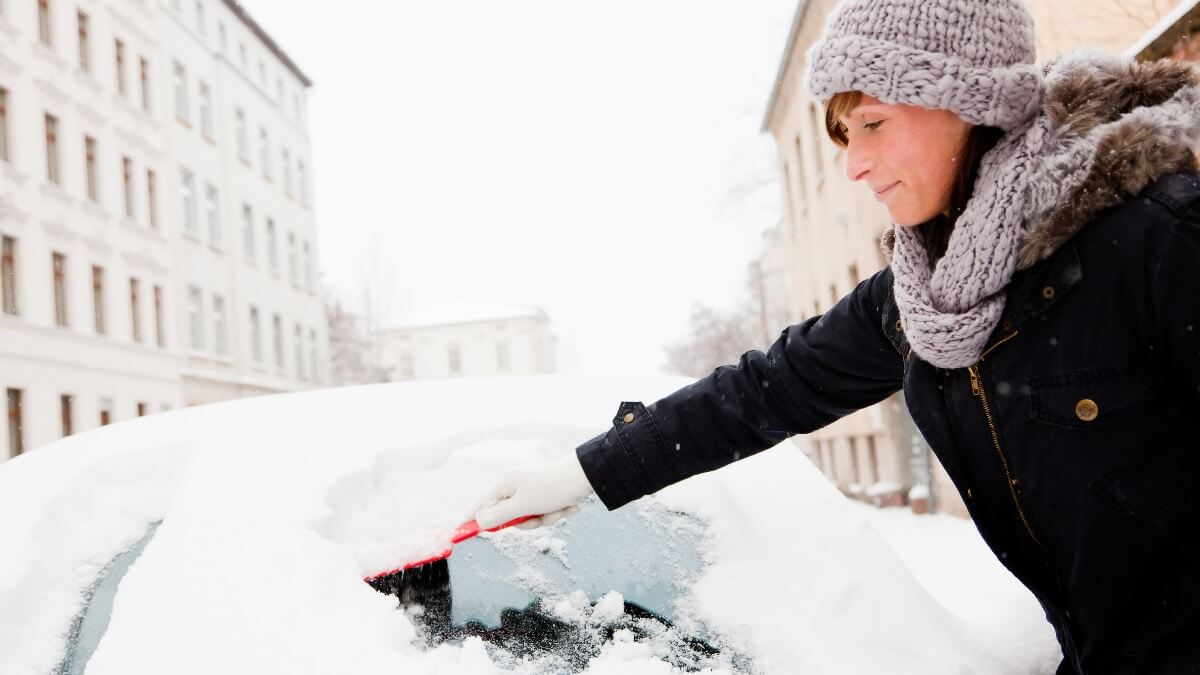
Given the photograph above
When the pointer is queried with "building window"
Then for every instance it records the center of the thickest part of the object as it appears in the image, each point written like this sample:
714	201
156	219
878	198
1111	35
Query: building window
52	149
277	325
243	141
223	37
181	96
44	22
272	246
255	336
3	124
8	273
206	117
85	48
16	430
200	27
248	232
407	369
127	182
196	317
279	91
314	372
287	173
152	197
187	185
220	331
119	50
98	298
503	360
308	268
160	332
262	75
66	403
293	276
242	53
106	406
135	310
144	70
89	163
142	409
302	183
264	144
212	216
298	352
454	353
59	264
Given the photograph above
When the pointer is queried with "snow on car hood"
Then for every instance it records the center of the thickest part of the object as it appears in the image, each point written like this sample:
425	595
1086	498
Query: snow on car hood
267	505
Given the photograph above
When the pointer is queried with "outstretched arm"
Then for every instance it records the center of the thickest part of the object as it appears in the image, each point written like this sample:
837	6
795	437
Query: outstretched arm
816	372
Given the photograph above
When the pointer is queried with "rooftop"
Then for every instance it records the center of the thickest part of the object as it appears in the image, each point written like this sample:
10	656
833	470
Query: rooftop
241	13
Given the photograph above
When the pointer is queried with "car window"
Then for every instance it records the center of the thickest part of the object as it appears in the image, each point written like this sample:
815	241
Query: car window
557	594
92	621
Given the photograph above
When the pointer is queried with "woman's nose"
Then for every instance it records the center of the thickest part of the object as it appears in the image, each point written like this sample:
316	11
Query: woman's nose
858	164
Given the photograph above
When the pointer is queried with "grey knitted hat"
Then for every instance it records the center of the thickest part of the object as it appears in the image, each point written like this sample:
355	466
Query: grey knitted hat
972	57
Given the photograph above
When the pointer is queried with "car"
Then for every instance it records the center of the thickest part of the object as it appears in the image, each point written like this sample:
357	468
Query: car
235	538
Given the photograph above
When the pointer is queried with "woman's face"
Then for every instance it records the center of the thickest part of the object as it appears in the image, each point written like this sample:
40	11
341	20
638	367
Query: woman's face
908	156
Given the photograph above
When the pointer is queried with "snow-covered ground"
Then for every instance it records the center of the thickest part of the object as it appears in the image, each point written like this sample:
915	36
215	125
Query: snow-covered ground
272	508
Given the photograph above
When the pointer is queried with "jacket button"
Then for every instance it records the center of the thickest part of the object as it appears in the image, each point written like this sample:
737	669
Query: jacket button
1007	326
628	418
899	328
1048	292
1086	410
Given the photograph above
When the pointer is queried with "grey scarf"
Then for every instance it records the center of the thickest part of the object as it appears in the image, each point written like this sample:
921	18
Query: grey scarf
1106	129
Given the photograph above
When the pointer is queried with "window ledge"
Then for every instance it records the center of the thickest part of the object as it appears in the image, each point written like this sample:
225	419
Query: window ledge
95	210
47	54
54	191
11	172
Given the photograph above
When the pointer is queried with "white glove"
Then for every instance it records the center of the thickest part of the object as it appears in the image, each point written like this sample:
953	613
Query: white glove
550	490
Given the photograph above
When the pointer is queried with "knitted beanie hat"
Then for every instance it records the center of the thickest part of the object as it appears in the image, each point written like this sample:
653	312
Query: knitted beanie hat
971	57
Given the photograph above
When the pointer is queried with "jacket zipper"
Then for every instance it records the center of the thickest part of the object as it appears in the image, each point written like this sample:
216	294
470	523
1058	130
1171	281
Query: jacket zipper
978	391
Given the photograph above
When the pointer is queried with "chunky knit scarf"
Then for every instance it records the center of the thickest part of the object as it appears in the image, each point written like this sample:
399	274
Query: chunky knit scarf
1106	128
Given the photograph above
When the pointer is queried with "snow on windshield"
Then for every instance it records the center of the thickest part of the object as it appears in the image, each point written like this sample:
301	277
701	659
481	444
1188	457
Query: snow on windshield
271	508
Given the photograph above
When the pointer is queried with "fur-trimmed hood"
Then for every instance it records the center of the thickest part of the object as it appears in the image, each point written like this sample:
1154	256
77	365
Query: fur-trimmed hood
1114	126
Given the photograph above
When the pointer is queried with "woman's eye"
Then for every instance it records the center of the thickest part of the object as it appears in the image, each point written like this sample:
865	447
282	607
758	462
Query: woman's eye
872	125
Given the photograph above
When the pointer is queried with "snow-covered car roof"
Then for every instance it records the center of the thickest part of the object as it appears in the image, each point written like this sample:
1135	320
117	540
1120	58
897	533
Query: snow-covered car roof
265	507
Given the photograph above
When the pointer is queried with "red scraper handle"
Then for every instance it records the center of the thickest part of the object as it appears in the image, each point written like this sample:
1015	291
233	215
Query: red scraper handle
461	533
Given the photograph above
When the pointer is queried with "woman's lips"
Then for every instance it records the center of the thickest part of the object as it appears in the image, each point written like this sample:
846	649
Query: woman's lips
880	194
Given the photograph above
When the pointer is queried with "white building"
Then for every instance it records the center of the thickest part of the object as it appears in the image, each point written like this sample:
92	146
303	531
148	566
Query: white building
456	343
110	110
250	320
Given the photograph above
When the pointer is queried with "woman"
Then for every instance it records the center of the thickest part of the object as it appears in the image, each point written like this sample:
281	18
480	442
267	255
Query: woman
1039	311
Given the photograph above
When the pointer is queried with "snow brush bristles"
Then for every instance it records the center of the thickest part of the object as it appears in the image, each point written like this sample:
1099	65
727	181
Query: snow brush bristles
427	581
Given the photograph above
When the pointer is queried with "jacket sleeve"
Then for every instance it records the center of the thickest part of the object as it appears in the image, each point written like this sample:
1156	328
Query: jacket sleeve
1173	279
816	372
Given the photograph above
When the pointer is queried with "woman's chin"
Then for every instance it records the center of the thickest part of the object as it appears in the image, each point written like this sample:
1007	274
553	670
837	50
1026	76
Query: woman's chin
909	218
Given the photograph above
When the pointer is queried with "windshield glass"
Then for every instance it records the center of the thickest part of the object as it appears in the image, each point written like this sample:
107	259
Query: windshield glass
550	598
92	621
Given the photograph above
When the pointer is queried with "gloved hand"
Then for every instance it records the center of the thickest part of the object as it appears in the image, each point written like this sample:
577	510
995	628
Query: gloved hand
551	490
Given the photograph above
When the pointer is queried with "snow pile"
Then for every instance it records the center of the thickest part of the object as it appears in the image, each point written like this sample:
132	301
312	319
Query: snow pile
273	508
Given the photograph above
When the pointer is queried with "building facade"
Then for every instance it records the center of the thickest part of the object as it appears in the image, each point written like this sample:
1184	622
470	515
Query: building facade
468	344
877	452
126	290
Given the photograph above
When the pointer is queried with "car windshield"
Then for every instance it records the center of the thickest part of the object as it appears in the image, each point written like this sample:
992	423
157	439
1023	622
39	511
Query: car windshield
92	621
550	598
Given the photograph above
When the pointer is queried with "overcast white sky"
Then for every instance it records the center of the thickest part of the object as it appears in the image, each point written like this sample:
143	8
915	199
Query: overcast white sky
593	158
